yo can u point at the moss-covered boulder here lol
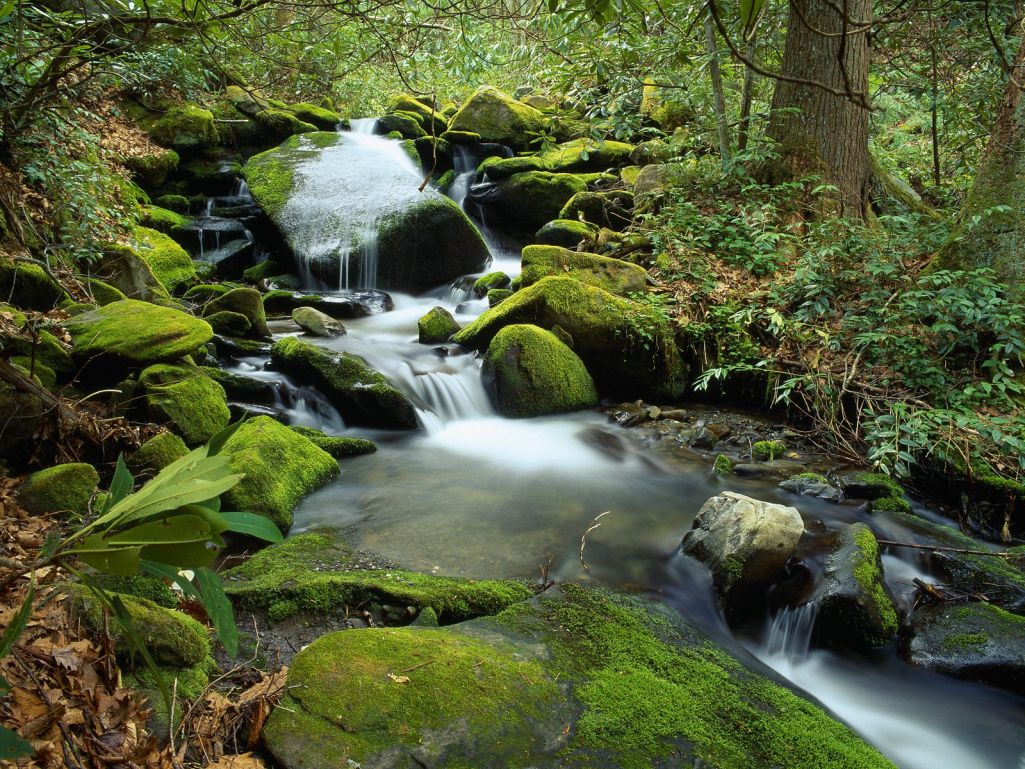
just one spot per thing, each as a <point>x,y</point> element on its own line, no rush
<point>161,219</point>
<point>855,608</point>
<point>280,468</point>
<point>319,574</point>
<point>137,332</point>
<point>461,137</point>
<point>628,349</point>
<point>320,117</point>
<point>497,117</point>
<point>436,326</point>
<point>975,640</point>
<point>21,415</point>
<point>405,125</point>
<point>45,350</point>
<point>528,372</point>
<point>526,201</point>
<point>433,122</point>
<point>179,204</point>
<point>883,491</point>
<point>227,323</point>
<point>497,295</point>
<point>186,128</point>
<point>186,400</point>
<point>276,125</point>
<point>587,155</point>
<point>170,263</point>
<point>158,452</point>
<point>604,209</point>
<point>422,238</point>
<point>63,489</point>
<point>247,302</point>
<point>485,283</point>
<point>496,167</point>
<point>568,233</point>
<point>124,268</point>
<point>340,447</point>
<point>29,287</point>
<point>612,275</point>
<point>576,677</point>
<point>361,395</point>
<point>205,292</point>
<point>151,171</point>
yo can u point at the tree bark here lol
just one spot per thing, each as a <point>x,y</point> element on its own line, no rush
<point>718,99</point>
<point>818,132</point>
<point>988,236</point>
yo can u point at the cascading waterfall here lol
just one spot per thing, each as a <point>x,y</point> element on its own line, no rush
<point>790,633</point>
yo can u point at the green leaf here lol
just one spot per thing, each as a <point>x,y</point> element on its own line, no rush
<point>177,529</point>
<point>121,484</point>
<point>215,444</point>
<point>171,573</point>
<point>13,746</point>
<point>14,630</point>
<point>122,562</point>
<point>124,619</point>
<point>189,555</point>
<point>218,608</point>
<point>253,525</point>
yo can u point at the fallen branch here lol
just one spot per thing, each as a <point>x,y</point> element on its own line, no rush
<point>941,548</point>
<point>583,538</point>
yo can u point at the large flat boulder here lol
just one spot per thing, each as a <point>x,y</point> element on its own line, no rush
<point>612,275</point>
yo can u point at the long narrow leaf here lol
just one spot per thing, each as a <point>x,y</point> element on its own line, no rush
<point>176,530</point>
<point>13,746</point>
<point>218,608</point>
<point>20,621</point>
<point>215,444</point>
<point>171,573</point>
<point>121,484</point>
<point>253,525</point>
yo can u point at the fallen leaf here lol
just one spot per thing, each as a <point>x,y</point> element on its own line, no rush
<point>399,679</point>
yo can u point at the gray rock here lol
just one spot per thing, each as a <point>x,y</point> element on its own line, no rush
<point>809,485</point>
<point>628,414</point>
<point>744,541</point>
<point>776,468</point>
<point>708,435</point>
<point>317,323</point>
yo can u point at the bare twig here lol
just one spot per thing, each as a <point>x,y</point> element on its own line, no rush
<point>583,538</point>
<point>942,549</point>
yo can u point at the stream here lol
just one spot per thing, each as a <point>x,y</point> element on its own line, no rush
<point>477,495</point>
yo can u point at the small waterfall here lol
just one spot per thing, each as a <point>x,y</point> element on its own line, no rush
<point>791,632</point>
<point>306,407</point>
<point>464,164</point>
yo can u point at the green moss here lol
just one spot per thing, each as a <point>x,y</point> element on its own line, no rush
<point>271,179</point>
<point>531,199</point>
<point>443,182</point>
<point>171,263</point>
<point>652,690</point>
<point>964,641</point>
<point>280,467</point>
<point>315,573</point>
<point>528,372</point>
<point>766,451</point>
<point>567,233</point>
<point>244,301</point>
<point>42,373</point>
<point>432,122</point>
<point>502,168</point>
<point>29,287</point>
<point>205,292</point>
<point>187,127</point>
<point>461,137</point>
<point>452,678</point>
<point>320,117</point>
<point>151,171</point>
<point>627,348</point>
<point>497,117</point>
<point>188,683</point>
<point>61,489</point>
<point>604,209</point>
<point>723,465</point>
<point>45,350</point>
<point>587,155</point>
<point>869,575</point>
<point>811,477</point>
<point>177,203</point>
<point>171,637</point>
<point>497,295</point>
<point>265,269</point>
<point>886,494</point>
<point>229,323</point>
<point>103,293</point>
<point>141,586</point>
<point>193,404</point>
<point>158,452</point>
<point>612,275</point>
<point>276,125</point>
<point>406,125</point>
<point>492,280</point>
<point>339,448</point>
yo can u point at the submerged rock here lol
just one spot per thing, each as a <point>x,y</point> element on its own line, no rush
<point>576,677</point>
<point>361,395</point>
<point>855,608</point>
<point>975,641</point>
<point>744,542</point>
<point>528,372</point>
<point>280,467</point>
<point>626,348</point>
<point>344,306</point>
<point>612,275</point>
<point>353,214</point>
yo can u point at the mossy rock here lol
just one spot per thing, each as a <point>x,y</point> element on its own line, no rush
<point>855,608</point>
<point>170,263</point>
<point>976,641</point>
<point>186,128</point>
<point>497,295</point>
<point>158,452</point>
<point>767,451</point>
<point>280,468</point>
<point>628,349</point>
<point>320,117</point>
<point>13,315</point>
<point>885,493</point>
<point>429,118</point>
<point>461,137</point>
<point>568,233</point>
<point>187,400</point>
<point>62,489</point>
<point>102,292</point>
<point>42,373</point>
<point>436,326</point>
<point>137,332</point>
<point>266,269</point>
<point>587,155</point>
<point>247,302</point>
<point>151,171</point>
<point>27,286</point>
<point>576,677</point>
<point>247,101</point>
<point>502,168</point>
<point>317,574</point>
<point>171,637</point>
<point>244,388</point>
<point>338,447</point>
<point>276,125</point>
<point>526,201</point>
<point>361,395</point>
<point>22,414</point>
<point>205,292</point>
<point>528,372</point>
<point>663,107</point>
<point>228,323</point>
<point>177,203</point>
<point>140,586</point>
<point>612,275</point>
<point>406,126</point>
<point>45,350</point>
<point>212,176</point>
<point>124,268</point>
<point>485,283</point>
<point>604,209</point>
<point>497,117</point>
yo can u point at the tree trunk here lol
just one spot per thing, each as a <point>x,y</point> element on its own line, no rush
<point>718,99</point>
<point>819,132</point>
<point>991,237</point>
